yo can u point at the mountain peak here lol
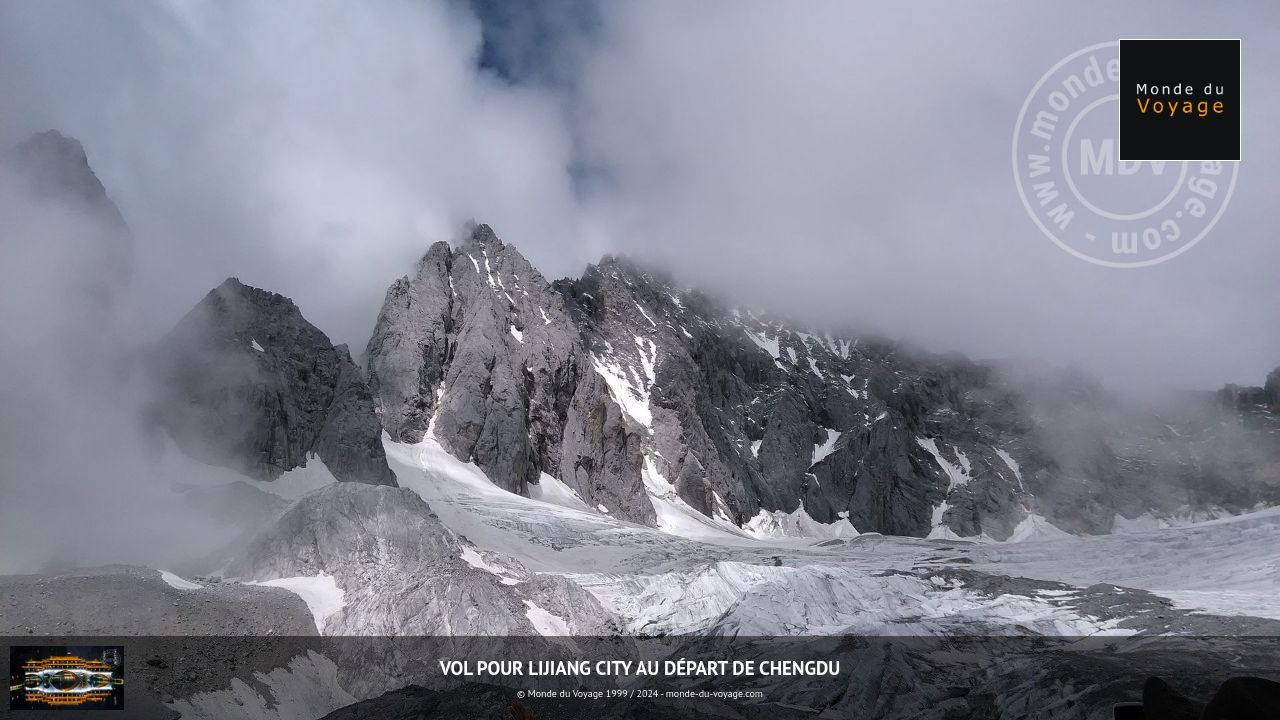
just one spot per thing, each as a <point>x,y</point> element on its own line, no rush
<point>481,234</point>
<point>53,163</point>
<point>245,381</point>
<point>52,142</point>
<point>50,166</point>
<point>234,286</point>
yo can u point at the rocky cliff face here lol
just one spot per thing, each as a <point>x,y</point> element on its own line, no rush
<point>246,382</point>
<point>644,397</point>
<point>478,348</point>
<point>740,414</point>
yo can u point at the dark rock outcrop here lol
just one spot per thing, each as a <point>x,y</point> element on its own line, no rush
<point>244,381</point>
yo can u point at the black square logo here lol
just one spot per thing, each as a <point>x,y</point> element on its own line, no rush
<point>1179,99</point>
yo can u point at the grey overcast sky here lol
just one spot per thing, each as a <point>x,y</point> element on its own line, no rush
<point>835,161</point>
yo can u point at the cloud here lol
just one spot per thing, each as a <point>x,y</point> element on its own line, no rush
<point>836,162</point>
<point>315,149</point>
<point>74,464</point>
<point>850,162</point>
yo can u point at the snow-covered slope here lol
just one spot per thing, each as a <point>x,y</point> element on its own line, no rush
<point>1229,566</point>
<point>719,581</point>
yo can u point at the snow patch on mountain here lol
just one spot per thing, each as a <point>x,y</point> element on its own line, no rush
<point>648,359</point>
<point>176,582</point>
<point>551,490</point>
<point>547,624</point>
<point>957,475</point>
<point>813,367</point>
<point>1013,465</point>
<point>631,396</point>
<point>646,315</point>
<point>300,480</point>
<point>677,517</point>
<point>776,525</point>
<point>827,447</point>
<point>493,284</point>
<point>769,345</point>
<point>477,561</point>
<point>430,455</point>
<point>321,594</point>
<point>1034,528</point>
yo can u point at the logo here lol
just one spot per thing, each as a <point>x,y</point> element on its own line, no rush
<point>1089,202</point>
<point>1180,99</point>
<point>62,677</point>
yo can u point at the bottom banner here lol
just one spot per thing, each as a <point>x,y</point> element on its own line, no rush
<point>566,678</point>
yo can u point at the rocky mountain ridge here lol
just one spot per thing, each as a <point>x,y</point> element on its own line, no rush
<point>649,399</point>
<point>655,403</point>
